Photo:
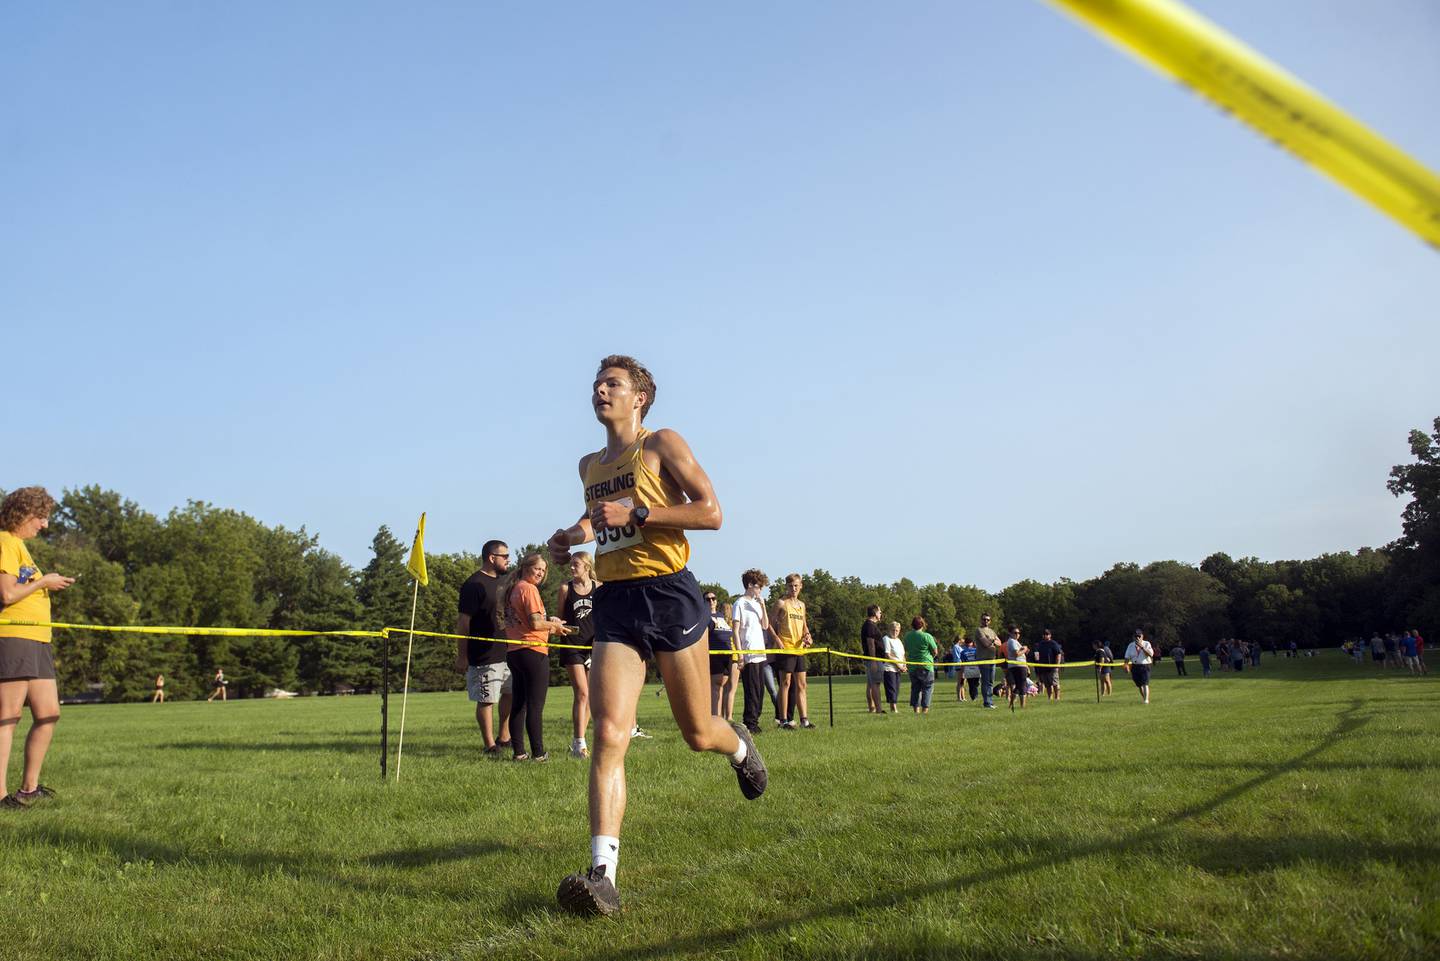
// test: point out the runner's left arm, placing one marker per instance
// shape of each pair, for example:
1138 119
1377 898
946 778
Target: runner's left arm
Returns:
701 510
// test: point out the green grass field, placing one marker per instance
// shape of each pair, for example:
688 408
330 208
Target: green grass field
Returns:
1290 812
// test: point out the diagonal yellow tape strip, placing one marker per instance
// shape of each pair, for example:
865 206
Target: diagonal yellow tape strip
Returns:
1178 42
271 632
206 631
887 660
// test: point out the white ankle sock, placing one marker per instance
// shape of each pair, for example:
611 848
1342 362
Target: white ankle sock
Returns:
605 851
739 756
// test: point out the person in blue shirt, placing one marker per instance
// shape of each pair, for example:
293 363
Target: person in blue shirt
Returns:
954 656
1410 652
969 673
1205 661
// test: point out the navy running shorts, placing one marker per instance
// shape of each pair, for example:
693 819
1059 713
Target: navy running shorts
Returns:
665 613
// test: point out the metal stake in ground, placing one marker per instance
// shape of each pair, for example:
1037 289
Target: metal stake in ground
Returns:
1097 682
830 685
385 706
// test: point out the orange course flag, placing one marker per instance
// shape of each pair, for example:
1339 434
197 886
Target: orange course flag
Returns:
1173 39
416 564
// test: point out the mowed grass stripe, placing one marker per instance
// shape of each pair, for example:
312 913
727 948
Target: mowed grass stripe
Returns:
1285 812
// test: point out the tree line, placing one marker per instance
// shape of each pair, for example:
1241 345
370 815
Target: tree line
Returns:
206 566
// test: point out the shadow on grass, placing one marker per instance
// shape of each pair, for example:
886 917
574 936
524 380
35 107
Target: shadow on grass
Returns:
366 744
903 945
1017 860
323 868
1399 766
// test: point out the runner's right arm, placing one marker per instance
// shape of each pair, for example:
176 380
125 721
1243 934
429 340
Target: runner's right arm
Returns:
567 537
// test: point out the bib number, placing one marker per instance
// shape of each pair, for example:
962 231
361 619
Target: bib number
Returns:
609 539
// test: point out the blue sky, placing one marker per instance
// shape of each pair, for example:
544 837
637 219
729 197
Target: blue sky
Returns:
949 291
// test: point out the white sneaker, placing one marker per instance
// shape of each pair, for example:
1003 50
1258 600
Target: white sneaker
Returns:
639 733
578 749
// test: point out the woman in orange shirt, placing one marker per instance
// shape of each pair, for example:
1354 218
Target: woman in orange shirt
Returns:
529 661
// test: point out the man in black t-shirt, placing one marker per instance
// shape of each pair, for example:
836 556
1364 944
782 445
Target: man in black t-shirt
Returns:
1048 654
872 644
487 679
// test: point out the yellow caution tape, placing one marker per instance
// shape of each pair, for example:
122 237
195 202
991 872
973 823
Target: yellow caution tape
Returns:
205 631
492 640
1181 44
891 660
271 632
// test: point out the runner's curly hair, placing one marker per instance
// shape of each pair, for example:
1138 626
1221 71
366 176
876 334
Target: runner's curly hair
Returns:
754 577
640 378
22 504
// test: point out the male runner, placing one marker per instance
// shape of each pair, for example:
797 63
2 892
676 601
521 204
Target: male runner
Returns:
487 678
788 620
643 490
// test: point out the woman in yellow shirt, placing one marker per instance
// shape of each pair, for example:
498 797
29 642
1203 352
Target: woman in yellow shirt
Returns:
27 660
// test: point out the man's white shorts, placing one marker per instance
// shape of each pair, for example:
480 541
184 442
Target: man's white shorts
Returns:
486 682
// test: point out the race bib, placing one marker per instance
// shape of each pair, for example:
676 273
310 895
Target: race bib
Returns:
609 539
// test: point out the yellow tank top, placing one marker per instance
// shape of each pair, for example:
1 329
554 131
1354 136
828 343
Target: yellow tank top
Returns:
630 552
15 560
791 626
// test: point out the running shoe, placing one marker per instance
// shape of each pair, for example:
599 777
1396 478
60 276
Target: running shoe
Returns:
11 801
491 751
588 893
638 732
541 758
751 771
805 723
578 749
41 793
789 726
